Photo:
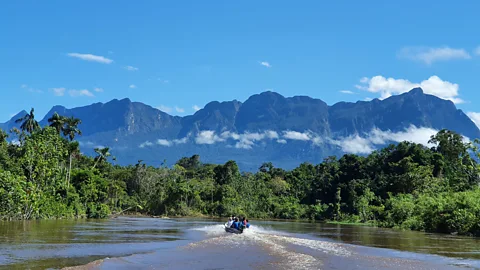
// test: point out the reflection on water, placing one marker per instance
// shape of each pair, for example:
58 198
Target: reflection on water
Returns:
59 243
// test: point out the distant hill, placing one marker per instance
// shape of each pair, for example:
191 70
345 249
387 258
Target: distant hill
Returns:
266 127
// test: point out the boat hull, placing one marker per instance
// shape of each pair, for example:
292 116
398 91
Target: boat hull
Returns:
232 230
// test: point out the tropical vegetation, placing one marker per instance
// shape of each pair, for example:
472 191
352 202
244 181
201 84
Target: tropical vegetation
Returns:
44 175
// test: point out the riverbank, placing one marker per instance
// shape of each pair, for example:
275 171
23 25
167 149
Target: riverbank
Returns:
352 223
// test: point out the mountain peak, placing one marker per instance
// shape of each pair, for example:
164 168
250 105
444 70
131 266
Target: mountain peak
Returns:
121 101
270 93
416 91
18 115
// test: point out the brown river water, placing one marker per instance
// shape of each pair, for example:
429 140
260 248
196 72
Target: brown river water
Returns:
186 243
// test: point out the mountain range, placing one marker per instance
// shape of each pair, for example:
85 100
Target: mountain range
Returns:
266 127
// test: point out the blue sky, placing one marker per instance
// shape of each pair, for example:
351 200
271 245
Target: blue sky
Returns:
177 55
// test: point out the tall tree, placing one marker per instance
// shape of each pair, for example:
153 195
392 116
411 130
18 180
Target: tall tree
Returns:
57 121
103 154
73 150
71 127
28 121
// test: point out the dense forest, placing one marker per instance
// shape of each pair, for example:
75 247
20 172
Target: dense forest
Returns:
44 175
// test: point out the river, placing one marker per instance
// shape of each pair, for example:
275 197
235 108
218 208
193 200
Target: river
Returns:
150 243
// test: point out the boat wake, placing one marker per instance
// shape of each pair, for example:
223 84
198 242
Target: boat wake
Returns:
261 247
284 247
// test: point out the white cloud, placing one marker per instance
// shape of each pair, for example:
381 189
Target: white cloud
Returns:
271 134
430 55
387 87
164 108
244 144
265 64
295 135
180 141
356 144
475 117
367 99
145 144
91 57
196 108
60 91
132 86
98 89
180 110
282 141
164 142
412 133
346 92
80 93
243 141
130 68
208 137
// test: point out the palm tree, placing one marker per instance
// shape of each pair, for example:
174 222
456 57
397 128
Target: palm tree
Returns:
57 121
103 154
29 123
73 150
71 127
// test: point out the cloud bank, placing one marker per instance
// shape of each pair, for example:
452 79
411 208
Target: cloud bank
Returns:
163 142
387 87
355 144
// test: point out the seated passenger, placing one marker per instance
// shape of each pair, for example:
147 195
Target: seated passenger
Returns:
230 222
248 224
235 224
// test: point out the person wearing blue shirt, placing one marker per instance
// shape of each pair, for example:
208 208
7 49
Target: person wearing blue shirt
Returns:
235 224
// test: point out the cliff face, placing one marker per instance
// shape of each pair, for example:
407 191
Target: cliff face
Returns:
266 127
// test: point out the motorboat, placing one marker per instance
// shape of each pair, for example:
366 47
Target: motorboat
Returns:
232 230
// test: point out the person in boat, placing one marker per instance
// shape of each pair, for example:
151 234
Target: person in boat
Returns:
241 226
247 225
230 222
235 224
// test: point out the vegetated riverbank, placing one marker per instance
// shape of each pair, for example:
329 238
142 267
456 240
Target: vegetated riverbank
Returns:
44 175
